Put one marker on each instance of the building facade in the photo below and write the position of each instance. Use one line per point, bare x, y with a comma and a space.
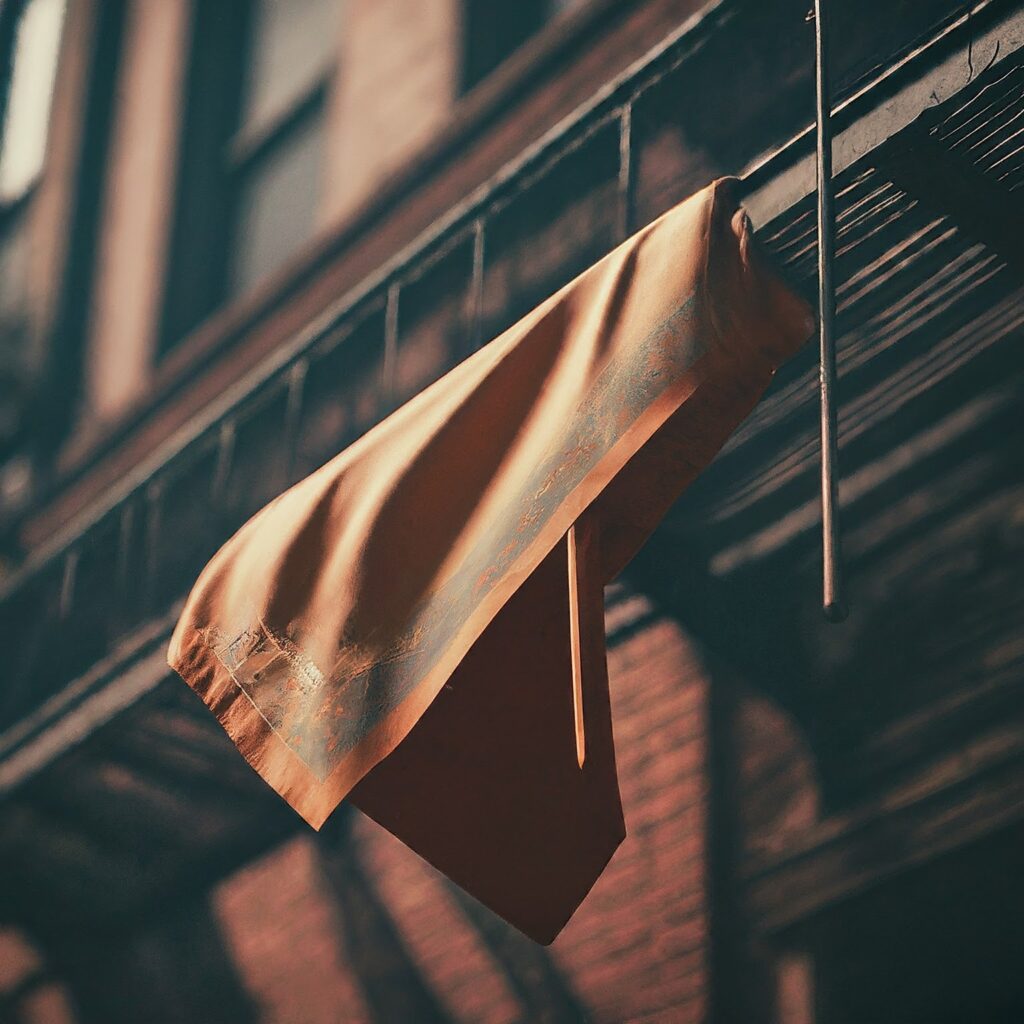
234, 234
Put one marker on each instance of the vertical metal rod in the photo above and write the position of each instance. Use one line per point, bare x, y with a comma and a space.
476, 312
222, 468
293, 417
125, 538
625, 213
67, 583
154, 497
390, 367
833, 597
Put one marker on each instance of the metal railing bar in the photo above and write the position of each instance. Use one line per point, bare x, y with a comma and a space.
226, 435
476, 312
389, 367
67, 583
153, 519
293, 415
625, 224
125, 537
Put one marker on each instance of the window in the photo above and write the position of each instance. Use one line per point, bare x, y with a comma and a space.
252, 153
33, 35
30, 33
278, 150
493, 31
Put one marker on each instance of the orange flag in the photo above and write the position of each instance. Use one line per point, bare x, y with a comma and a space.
418, 625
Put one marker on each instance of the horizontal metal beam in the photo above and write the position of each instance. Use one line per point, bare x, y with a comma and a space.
113, 685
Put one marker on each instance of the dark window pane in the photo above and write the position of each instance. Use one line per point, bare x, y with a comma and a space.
249, 180
492, 31
198, 273
25, 125
277, 202
292, 48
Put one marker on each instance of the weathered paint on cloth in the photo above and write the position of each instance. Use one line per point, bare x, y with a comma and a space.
413, 624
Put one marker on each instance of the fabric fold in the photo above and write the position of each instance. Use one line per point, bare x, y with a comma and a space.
419, 623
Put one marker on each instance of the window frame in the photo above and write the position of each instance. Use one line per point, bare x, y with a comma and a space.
217, 158
249, 151
15, 220
91, 42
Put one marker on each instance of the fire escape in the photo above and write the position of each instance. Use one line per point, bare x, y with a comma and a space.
119, 791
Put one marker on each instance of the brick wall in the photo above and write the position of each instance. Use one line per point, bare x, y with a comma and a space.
300, 924
387, 100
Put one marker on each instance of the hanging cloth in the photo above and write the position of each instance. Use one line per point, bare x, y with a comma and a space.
418, 625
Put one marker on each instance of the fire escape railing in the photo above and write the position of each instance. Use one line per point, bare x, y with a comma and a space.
104, 593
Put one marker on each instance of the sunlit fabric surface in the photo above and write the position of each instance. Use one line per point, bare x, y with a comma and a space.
415, 626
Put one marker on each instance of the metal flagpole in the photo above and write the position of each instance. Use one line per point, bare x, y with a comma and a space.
833, 599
